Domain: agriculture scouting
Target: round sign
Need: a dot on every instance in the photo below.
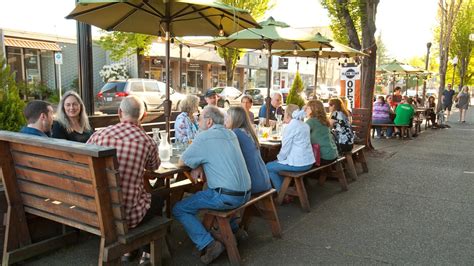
(350, 73)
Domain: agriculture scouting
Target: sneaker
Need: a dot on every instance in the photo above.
(377, 137)
(213, 251)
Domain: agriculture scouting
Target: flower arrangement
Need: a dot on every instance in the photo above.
(113, 72)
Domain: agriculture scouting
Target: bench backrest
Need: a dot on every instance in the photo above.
(152, 120)
(361, 120)
(68, 182)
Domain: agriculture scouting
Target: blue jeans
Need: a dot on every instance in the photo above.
(275, 167)
(378, 129)
(185, 212)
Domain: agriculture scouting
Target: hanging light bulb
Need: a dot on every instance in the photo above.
(259, 56)
(160, 36)
(188, 57)
(215, 48)
(172, 40)
(238, 57)
(295, 51)
(307, 62)
(320, 52)
(221, 29)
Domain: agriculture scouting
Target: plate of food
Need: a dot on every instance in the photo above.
(275, 139)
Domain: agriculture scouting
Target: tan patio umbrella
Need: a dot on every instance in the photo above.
(167, 18)
(338, 50)
(273, 34)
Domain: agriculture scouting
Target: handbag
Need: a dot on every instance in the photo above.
(317, 154)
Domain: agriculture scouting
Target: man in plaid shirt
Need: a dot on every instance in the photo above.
(136, 151)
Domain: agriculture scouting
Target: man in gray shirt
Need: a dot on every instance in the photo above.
(228, 180)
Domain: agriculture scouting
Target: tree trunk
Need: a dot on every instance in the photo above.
(229, 68)
(140, 63)
(345, 17)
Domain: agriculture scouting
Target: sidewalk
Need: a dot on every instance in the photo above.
(415, 206)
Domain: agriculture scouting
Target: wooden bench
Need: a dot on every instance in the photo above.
(356, 155)
(259, 205)
(74, 184)
(335, 168)
(403, 129)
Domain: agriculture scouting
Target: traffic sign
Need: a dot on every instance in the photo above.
(58, 58)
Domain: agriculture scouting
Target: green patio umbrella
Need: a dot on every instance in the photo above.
(396, 67)
(167, 18)
(338, 50)
(273, 34)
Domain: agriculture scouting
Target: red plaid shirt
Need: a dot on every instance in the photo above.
(136, 151)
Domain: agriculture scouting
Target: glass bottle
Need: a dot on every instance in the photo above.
(164, 149)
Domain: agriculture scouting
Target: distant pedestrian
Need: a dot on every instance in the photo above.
(447, 100)
(463, 99)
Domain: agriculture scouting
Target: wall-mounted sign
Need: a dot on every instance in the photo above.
(350, 85)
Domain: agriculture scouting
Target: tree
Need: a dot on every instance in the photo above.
(460, 44)
(382, 52)
(231, 56)
(447, 15)
(11, 106)
(122, 44)
(294, 96)
(357, 18)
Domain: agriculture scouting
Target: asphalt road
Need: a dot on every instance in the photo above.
(415, 206)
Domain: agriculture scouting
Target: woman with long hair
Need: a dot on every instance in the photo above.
(186, 125)
(464, 99)
(340, 125)
(431, 110)
(320, 131)
(71, 122)
(296, 153)
(238, 121)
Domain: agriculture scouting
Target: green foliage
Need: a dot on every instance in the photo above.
(294, 96)
(74, 84)
(460, 44)
(123, 44)
(337, 25)
(257, 9)
(11, 106)
(382, 52)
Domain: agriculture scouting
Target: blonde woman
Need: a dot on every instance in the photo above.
(237, 120)
(71, 122)
(296, 153)
(320, 131)
(186, 125)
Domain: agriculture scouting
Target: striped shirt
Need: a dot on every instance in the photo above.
(136, 151)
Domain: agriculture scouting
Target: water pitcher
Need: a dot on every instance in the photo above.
(164, 149)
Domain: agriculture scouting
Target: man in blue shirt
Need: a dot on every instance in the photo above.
(216, 153)
(447, 99)
(275, 108)
(39, 116)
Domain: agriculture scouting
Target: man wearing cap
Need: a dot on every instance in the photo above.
(226, 174)
(211, 98)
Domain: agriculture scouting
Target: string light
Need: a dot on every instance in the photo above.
(215, 48)
(259, 56)
(172, 41)
(221, 28)
(295, 51)
(188, 57)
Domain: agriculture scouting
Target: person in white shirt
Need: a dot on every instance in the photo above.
(296, 153)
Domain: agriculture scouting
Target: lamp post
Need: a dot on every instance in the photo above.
(455, 62)
(428, 46)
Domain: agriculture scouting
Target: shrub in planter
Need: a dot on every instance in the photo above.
(11, 106)
(294, 96)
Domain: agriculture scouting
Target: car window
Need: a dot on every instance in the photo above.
(232, 92)
(136, 86)
(151, 86)
(162, 87)
(112, 87)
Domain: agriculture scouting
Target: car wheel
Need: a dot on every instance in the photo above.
(226, 105)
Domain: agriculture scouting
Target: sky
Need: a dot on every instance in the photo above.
(406, 25)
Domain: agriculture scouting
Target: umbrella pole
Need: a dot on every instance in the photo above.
(269, 82)
(167, 103)
(316, 76)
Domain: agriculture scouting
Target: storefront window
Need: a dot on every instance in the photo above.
(15, 62)
(32, 66)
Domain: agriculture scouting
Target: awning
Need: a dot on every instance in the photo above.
(33, 44)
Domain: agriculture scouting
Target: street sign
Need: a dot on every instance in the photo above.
(58, 58)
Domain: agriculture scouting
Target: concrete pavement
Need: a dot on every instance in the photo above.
(415, 206)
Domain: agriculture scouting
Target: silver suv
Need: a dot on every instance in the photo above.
(151, 91)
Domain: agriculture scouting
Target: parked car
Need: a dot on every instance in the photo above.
(151, 91)
(228, 96)
(256, 95)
